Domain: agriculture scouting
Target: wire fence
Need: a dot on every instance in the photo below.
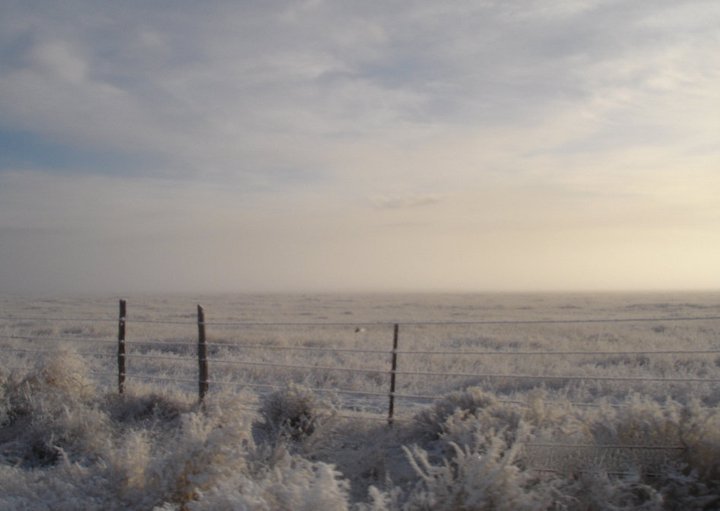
(374, 378)
(143, 348)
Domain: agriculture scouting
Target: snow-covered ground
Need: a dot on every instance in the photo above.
(503, 402)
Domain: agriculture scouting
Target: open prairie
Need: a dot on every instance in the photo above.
(497, 401)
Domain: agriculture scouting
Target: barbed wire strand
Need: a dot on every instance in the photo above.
(157, 342)
(562, 353)
(143, 356)
(562, 377)
(46, 319)
(314, 389)
(159, 378)
(331, 349)
(91, 353)
(55, 339)
(130, 320)
(294, 366)
(461, 323)
(368, 323)
(404, 353)
(300, 348)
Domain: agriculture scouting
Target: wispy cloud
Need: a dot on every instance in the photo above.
(404, 201)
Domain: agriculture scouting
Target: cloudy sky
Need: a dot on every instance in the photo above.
(359, 145)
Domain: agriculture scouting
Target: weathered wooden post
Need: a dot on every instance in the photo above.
(121, 347)
(202, 354)
(393, 368)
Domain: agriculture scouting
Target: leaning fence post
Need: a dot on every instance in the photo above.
(121, 347)
(393, 368)
(202, 354)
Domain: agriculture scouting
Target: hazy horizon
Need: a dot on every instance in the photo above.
(314, 146)
(199, 294)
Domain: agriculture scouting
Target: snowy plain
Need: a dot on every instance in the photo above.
(503, 401)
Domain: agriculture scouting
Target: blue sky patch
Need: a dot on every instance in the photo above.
(27, 150)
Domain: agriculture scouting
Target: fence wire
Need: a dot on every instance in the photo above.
(329, 348)
(130, 319)
(103, 340)
(561, 353)
(57, 351)
(560, 377)
(459, 323)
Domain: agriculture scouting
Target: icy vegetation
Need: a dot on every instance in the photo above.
(68, 440)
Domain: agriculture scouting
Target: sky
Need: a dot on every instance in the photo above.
(415, 145)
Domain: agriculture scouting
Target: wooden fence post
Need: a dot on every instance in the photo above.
(393, 368)
(202, 354)
(121, 347)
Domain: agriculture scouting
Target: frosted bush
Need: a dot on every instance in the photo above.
(207, 447)
(61, 376)
(474, 480)
(76, 451)
(693, 428)
(466, 402)
(687, 492)
(700, 434)
(128, 462)
(49, 410)
(561, 417)
(65, 372)
(458, 416)
(293, 483)
(293, 413)
(382, 501)
(638, 421)
(598, 492)
(150, 411)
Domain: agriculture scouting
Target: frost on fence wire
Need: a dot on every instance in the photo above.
(142, 351)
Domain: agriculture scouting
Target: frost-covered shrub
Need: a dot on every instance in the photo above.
(291, 483)
(66, 372)
(467, 402)
(678, 433)
(476, 480)
(49, 411)
(450, 416)
(700, 434)
(638, 421)
(598, 492)
(208, 446)
(382, 500)
(561, 416)
(147, 410)
(293, 413)
(62, 375)
(687, 491)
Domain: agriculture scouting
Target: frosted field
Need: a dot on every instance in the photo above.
(502, 402)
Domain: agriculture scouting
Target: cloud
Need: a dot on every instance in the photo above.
(319, 129)
(404, 201)
(215, 91)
